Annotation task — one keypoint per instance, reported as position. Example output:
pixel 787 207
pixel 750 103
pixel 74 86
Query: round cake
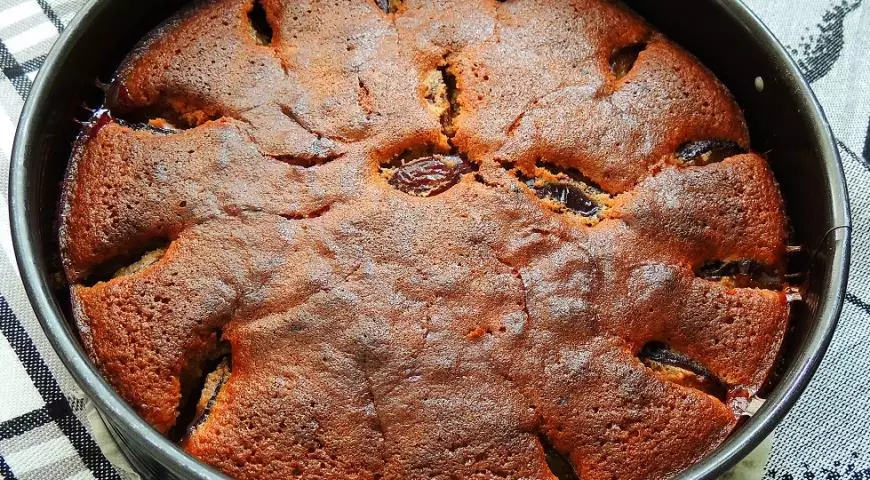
pixel 425 239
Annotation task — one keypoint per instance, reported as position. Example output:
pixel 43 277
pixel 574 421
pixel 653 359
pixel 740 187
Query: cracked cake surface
pixel 425 239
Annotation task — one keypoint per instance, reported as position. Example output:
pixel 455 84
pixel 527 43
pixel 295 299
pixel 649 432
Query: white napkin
pixel 50 430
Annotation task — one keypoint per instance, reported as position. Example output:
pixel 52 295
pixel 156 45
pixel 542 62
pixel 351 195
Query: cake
pixel 425 239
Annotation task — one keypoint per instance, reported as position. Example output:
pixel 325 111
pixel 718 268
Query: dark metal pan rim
pixel 126 423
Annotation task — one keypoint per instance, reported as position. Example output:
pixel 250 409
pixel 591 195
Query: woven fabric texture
pixel 49 429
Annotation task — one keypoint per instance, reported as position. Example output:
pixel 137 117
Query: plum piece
pixel 430 175
pixel 675 367
pixel 705 152
pixel 742 274
pixel 572 196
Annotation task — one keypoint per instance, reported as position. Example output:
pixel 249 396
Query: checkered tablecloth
pixel 50 430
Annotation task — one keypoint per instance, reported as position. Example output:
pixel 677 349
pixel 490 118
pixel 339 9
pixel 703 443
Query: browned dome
pixel 425 239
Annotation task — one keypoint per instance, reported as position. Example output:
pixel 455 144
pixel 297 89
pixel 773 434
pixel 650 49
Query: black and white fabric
pixel 50 430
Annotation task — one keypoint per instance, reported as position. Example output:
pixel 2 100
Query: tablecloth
pixel 50 430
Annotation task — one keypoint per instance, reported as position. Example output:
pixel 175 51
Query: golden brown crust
pixel 378 334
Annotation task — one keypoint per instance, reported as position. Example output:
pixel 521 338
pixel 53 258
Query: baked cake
pixel 425 239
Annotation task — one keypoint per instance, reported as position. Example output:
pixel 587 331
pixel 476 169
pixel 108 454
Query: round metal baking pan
pixel 785 120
